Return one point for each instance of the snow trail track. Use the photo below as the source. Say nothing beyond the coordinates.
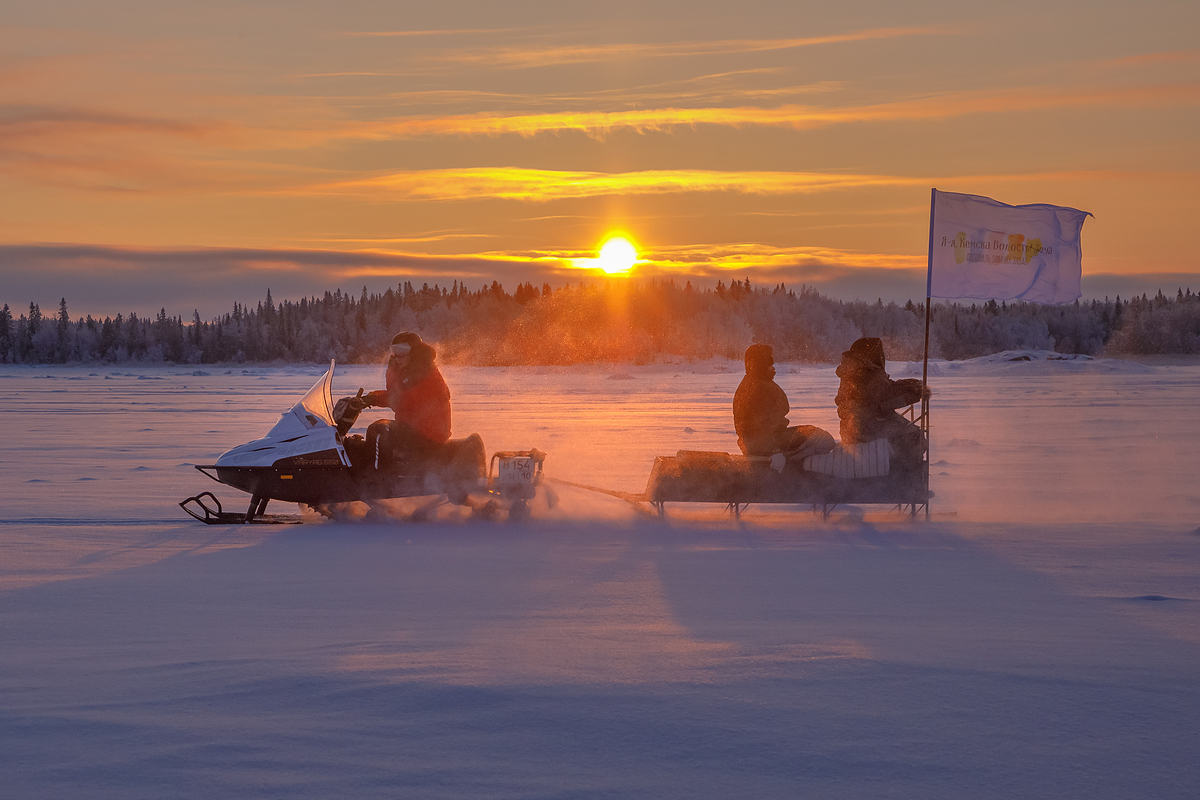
(1039, 638)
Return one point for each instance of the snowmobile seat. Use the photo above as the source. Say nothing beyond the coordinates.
(467, 458)
(459, 466)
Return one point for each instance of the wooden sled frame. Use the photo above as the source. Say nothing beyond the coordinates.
(749, 481)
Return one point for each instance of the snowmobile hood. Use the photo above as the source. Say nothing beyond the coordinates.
(306, 429)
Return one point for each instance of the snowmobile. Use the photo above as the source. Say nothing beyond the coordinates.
(304, 459)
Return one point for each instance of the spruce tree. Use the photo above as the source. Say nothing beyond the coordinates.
(6, 355)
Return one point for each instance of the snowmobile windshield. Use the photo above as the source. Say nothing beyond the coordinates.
(319, 400)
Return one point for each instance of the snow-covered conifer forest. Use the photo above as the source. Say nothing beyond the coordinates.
(590, 323)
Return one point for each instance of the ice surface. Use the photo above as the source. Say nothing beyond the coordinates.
(1038, 638)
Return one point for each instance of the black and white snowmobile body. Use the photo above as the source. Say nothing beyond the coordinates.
(303, 459)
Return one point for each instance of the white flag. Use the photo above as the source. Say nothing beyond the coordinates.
(981, 249)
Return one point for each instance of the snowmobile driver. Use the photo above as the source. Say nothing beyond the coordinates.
(417, 393)
(760, 409)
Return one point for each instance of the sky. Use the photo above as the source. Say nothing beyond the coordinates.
(187, 156)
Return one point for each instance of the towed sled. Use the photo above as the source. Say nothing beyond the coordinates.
(303, 459)
(869, 473)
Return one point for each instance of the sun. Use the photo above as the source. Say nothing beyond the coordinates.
(617, 256)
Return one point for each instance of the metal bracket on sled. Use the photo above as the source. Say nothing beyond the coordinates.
(219, 516)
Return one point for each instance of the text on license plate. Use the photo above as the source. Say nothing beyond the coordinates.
(516, 470)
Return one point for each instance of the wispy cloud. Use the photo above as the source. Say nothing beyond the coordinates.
(528, 56)
(761, 260)
(334, 265)
(244, 147)
(799, 117)
(103, 150)
(711, 90)
(87, 147)
(1019, 99)
(394, 240)
(105, 280)
(1167, 57)
(532, 185)
(111, 150)
(23, 122)
(432, 33)
(590, 122)
(228, 260)
(513, 183)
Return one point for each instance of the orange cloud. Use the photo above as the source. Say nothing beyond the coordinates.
(140, 152)
(20, 123)
(103, 150)
(526, 56)
(98, 148)
(1022, 99)
(1168, 57)
(711, 89)
(435, 236)
(513, 183)
(799, 117)
(701, 260)
(442, 32)
(594, 122)
(764, 260)
(533, 185)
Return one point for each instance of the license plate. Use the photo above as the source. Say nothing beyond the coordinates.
(516, 470)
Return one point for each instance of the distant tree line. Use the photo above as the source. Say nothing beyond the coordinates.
(614, 322)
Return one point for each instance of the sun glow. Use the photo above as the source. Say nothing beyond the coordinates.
(617, 256)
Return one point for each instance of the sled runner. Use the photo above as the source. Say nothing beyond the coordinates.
(303, 459)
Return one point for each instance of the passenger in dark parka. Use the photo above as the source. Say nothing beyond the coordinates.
(867, 400)
(760, 409)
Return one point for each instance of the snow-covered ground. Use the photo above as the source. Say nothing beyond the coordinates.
(1039, 637)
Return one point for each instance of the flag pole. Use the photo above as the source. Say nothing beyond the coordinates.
(928, 290)
(925, 363)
